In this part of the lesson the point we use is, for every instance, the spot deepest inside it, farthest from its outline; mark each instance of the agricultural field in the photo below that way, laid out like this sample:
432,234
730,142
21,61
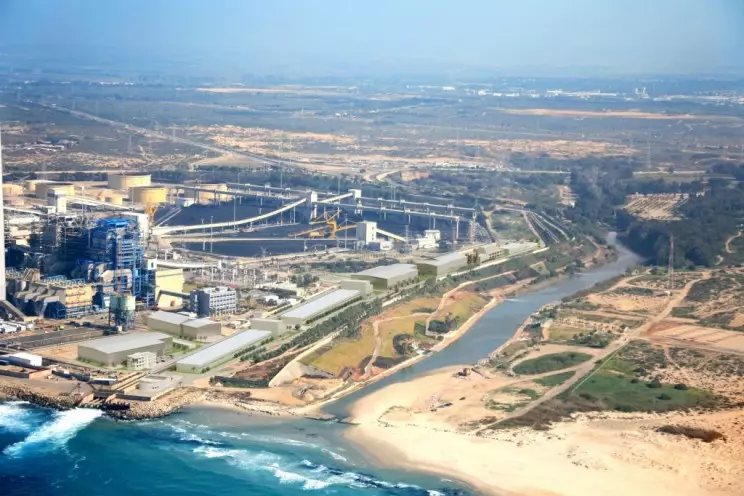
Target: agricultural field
655,207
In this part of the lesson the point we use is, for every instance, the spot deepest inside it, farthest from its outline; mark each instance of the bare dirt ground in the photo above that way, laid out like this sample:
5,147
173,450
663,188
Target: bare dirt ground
628,303
704,337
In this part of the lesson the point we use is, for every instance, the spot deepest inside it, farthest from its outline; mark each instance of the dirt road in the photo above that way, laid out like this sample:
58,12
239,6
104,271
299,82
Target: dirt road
586,370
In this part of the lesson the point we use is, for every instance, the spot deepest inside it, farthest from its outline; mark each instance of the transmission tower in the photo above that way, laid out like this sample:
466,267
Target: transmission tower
670,270
471,231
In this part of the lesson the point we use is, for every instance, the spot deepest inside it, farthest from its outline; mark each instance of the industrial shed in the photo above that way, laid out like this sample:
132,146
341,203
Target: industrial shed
275,326
167,322
220,352
490,252
317,308
200,329
515,249
113,350
441,266
389,276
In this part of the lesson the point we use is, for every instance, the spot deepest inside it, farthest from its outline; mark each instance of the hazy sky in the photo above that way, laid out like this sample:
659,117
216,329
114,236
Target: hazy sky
622,35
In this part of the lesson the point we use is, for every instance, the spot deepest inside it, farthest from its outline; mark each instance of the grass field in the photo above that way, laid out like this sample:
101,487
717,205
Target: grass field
388,330
462,307
510,225
345,353
549,363
561,333
555,379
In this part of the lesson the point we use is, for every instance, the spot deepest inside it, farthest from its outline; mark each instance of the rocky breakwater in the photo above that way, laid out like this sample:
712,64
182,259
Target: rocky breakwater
163,406
26,393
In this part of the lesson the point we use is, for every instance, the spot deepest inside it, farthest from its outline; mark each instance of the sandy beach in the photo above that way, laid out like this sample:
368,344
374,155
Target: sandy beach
600,454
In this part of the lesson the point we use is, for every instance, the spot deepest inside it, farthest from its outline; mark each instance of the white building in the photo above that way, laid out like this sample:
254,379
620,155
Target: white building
24,359
144,360
214,301
366,232
275,326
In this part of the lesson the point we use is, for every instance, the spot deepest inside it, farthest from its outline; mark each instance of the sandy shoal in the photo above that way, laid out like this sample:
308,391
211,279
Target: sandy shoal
609,454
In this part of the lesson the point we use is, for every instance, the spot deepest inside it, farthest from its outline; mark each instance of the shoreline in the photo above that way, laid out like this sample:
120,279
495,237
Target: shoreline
186,396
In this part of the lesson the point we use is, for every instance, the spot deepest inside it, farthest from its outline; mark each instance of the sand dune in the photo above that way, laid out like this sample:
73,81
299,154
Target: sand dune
608,454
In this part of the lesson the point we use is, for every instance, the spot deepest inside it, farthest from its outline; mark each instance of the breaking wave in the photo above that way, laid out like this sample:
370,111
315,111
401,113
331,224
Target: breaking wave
15,417
307,475
55,433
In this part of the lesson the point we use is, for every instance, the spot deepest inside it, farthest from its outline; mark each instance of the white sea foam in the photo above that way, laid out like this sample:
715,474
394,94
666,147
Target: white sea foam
309,476
55,433
334,455
15,418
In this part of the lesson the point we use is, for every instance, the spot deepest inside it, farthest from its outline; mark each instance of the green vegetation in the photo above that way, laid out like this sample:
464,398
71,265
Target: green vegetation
707,220
555,379
684,312
627,382
520,396
548,363
613,390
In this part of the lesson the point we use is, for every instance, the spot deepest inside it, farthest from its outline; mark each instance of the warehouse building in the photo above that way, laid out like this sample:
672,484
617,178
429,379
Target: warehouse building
317,308
112,351
441,266
220,352
183,325
515,249
490,252
389,276
200,329
364,287
23,359
275,326
214,301
168,322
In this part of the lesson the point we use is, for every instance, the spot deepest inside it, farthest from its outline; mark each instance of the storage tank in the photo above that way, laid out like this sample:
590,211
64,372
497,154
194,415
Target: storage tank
148,194
11,189
42,189
125,180
31,184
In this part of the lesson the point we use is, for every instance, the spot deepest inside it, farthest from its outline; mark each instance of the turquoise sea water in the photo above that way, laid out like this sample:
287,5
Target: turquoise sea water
200,451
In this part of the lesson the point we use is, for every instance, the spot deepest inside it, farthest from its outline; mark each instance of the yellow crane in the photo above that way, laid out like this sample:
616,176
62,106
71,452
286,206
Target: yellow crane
328,230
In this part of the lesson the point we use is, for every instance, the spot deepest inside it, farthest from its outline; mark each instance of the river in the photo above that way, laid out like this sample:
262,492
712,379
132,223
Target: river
496,326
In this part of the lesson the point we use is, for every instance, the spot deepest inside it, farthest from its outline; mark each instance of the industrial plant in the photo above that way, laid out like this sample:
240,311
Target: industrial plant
131,283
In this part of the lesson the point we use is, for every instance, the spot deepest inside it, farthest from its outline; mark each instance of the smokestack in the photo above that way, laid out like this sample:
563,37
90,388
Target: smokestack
2,226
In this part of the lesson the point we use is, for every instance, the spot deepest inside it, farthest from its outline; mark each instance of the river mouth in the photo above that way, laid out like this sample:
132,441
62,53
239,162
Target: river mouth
495,327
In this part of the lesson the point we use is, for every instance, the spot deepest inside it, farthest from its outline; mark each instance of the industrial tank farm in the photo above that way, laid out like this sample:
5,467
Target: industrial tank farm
149,194
43,188
125,181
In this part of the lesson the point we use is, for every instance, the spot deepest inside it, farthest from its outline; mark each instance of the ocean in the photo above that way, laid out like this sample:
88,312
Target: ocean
199,451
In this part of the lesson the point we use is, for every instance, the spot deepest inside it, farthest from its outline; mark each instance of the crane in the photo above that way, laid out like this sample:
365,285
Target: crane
329,228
